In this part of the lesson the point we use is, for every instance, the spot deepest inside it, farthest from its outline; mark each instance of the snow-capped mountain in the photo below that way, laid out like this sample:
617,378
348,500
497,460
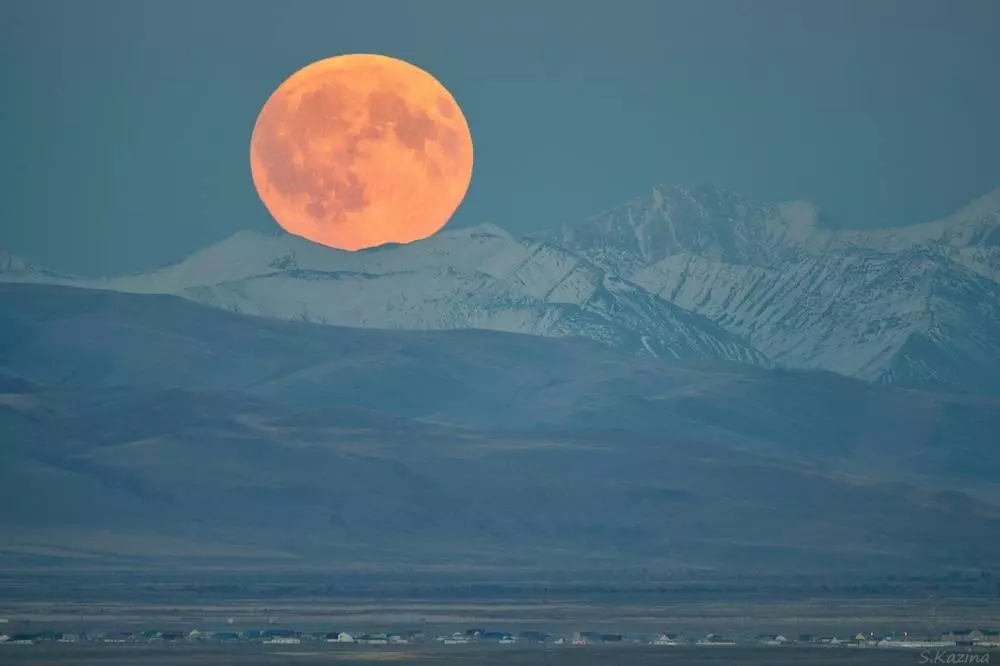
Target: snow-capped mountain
976,224
915,304
970,236
479,278
684,272
716,224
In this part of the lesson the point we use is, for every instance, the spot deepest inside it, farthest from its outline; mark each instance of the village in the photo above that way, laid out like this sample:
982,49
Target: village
981,640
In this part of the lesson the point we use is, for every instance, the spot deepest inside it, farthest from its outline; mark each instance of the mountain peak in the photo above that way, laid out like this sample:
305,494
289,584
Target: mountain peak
703,219
241,255
482,229
973,227
974,224
984,206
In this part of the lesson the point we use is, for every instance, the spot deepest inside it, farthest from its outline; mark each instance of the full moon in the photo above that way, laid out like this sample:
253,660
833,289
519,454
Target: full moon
359,150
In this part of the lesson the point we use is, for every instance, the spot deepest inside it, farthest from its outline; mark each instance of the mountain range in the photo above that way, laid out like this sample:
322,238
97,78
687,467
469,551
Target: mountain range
143,429
917,305
686,273
691,381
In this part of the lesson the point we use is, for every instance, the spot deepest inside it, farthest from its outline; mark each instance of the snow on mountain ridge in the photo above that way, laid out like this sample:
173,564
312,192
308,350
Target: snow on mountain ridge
591,305
866,304
975,225
477,277
709,221
251,253
724,226
689,272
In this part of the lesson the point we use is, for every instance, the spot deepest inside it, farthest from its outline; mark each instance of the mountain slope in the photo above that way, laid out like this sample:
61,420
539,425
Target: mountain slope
93,340
132,415
716,224
853,313
251,482
916,305
685,273
480,278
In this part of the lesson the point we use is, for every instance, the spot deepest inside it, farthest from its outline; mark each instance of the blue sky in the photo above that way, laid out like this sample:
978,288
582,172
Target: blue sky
124,124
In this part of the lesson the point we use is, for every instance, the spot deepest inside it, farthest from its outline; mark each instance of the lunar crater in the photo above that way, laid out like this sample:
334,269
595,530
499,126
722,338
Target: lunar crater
358,151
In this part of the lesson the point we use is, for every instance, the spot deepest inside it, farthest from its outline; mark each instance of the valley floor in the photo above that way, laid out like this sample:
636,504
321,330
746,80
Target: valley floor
255,655
92,606
742,620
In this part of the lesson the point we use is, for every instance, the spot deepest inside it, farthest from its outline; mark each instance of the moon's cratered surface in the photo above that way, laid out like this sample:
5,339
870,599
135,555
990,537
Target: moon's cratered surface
359,150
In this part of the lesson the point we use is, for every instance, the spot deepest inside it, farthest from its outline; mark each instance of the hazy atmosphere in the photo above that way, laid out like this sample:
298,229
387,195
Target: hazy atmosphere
125,124
499,333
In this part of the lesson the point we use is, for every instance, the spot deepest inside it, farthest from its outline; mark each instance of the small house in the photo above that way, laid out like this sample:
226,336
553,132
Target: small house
666,639
372,639
771,640
716,639
964,636
283,640
586,638
990,638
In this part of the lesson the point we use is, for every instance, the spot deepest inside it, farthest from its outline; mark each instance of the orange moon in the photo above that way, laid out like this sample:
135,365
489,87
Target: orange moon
359,150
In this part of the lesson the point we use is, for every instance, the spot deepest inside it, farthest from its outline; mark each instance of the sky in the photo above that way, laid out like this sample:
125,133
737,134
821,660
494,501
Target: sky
125,124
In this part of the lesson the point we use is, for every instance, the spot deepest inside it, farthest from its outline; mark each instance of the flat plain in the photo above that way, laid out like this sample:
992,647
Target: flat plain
626,655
